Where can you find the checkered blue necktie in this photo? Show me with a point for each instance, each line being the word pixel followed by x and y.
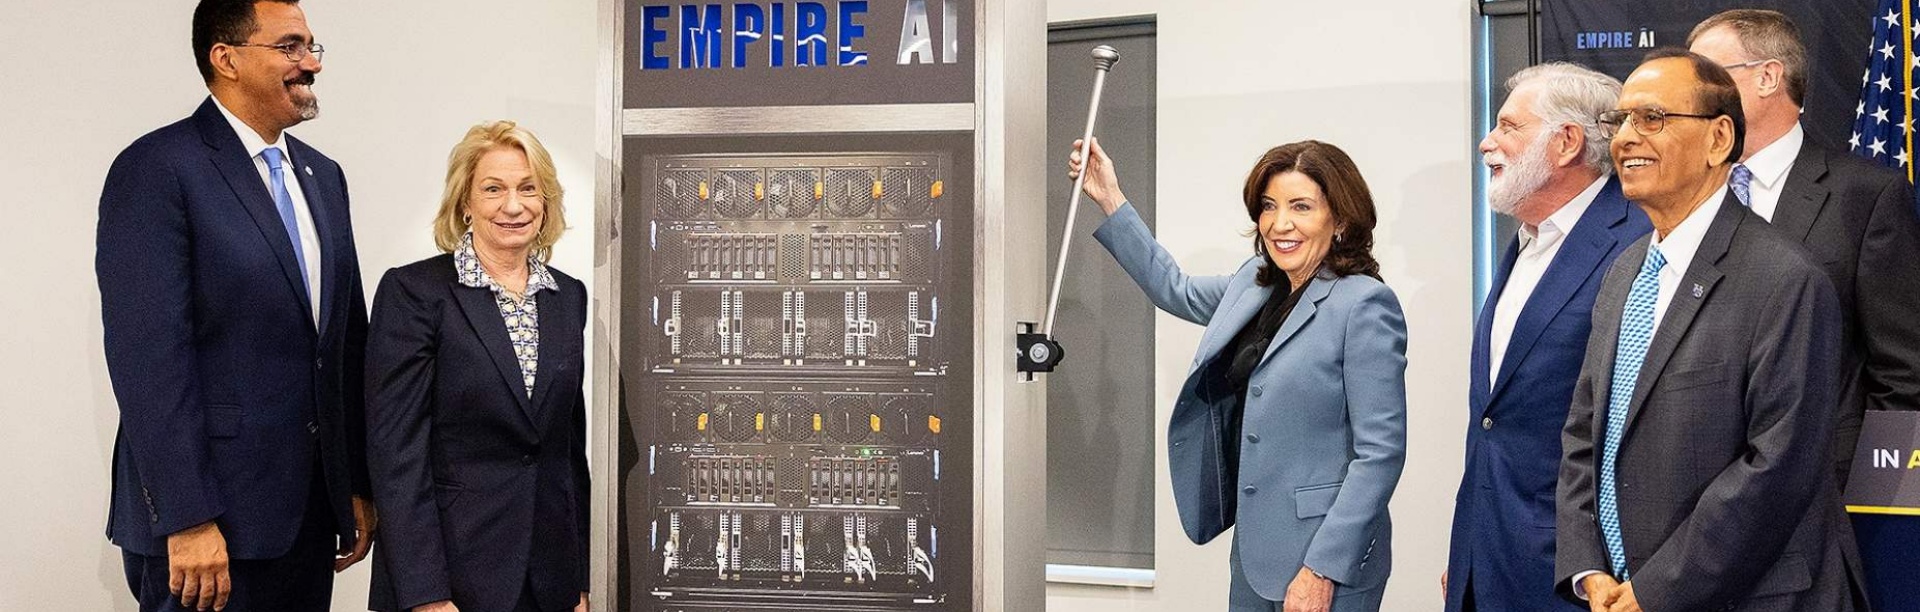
pixel 1742 184
pixel 1636 332
pixel 283 200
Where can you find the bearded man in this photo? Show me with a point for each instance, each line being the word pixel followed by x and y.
pixel 1550 171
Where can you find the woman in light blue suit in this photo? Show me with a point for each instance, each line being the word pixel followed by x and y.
pixel 1292 422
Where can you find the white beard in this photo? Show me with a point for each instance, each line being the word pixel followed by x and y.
pixel 1522 177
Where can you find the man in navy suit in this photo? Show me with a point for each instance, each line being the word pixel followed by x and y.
pixel 234 328
pixel 1552 173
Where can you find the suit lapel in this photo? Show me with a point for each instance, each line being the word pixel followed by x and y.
pixel 1587 246
pixel 236 167
pixel 1686 303
pixel 1478 390
pixel 1317 290
pixel 556 314
pixel 1803 196
pixel 319 208
pixel 483 314
pixel 1227 323
pixel 1609 304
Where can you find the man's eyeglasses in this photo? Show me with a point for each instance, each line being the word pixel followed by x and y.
pixel 293 50
pixel 1647 121
pixel 1746 64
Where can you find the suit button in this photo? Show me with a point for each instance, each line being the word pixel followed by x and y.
pixel 1253 439
pixel 1255 391
pixel 1177 443
pixel 1486 423
pixel 526 460
pixel 1250 490
pixel 312 427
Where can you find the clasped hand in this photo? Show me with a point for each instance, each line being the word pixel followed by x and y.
pixel 1604 594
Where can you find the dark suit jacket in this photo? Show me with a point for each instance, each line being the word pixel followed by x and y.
pixel 226 388
pixel 1724 490
pixel 1858 221
pixel 480 489
pixel 1503 515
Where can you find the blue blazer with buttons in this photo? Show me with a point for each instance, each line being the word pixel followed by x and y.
pixel 1324 420
pixel 230 393
pixel 1503 517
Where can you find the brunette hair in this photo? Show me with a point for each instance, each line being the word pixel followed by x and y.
pixel 1347 198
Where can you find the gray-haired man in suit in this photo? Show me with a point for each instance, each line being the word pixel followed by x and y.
pixel 1854 216
pixel 1695 473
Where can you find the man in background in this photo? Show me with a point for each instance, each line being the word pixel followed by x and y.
pixel 1855 217
pixel 234 329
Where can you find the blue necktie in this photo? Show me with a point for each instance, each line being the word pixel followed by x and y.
pixel 1742 184
pixel 284 201
pixel 1636 332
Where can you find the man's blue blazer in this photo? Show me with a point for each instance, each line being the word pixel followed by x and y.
pixel 230 394
pixel 1503 517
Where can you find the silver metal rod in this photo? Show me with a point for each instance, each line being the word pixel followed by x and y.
pixel 1103 60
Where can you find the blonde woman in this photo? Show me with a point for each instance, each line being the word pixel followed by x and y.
pixel 476 425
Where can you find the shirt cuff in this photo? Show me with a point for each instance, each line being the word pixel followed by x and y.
pixel 1580 589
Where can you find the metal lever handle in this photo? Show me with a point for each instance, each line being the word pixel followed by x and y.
pixel 1103 59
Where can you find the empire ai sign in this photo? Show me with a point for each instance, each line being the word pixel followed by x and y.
pixel 782 34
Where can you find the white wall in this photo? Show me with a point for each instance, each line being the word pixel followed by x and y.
pixel 403 81
pixel 1389 82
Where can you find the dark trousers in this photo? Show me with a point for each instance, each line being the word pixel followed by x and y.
pixel 300 581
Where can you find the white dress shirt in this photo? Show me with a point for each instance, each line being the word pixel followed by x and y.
pixel 1770 167
pixel 1678 247
pixel 309 236
pixel 1537 250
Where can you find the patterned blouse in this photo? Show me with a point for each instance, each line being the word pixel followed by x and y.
pixel 522 317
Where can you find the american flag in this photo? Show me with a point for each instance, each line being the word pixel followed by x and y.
pixel 1882 123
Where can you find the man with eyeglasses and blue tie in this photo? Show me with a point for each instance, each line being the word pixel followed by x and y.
pixel 1857 218
pixel 234 328
pixel 1695 472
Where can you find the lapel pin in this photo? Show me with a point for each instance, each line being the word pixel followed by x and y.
pixel 1697 290
pixel 309 170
